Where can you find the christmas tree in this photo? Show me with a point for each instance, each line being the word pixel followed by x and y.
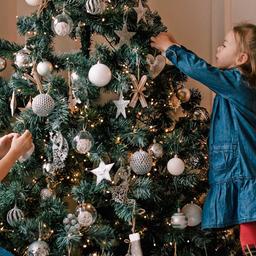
pixel 119 165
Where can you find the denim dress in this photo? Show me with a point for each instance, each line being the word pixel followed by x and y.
pixel 232 141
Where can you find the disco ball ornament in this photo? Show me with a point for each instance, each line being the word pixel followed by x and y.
pixel 99 75
pixel 3 64
pixel 83 142
pixel 27 155
pixel 141 162
pixel 193 213
pixel 43 104
pixel 179 220
pixel 23 58
pixel 33 2
pixel 39 248
pixel 14 215
pixel 156 150
pixel 44 68
pixel 95 6
pixel 86 214
pixel 62 24
pixel 175 166
pixel 184 94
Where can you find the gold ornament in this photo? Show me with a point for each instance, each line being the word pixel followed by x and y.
pixel 184 94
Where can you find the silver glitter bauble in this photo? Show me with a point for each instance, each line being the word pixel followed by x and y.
pixel 83 142
pixel 42 104
pixel 23 58
pixel 46 193
pixel 141 162
pixel 39 248
pixel 156 150
pixel 95 6
pixel 179 220
pixel 3 64
pixel 194 214
pixel 62 24
pixel 14 215
pixel 86 214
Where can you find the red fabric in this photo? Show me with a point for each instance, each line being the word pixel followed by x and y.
pixel 248 234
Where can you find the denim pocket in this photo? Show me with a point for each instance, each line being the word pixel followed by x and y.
pixel 223 157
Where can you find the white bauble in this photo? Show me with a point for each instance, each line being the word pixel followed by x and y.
pixel 193 213
pixel 44 68
pixel 42 104
pixel 99 74
pixel 39 248
pixel 179 220
pixel 28 154
pixel 33 2
pixel 175 166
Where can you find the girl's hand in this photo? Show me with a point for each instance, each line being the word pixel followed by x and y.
pixel 5 143
pixel 21 144
pixel 163 41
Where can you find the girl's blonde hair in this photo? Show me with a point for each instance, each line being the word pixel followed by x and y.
pixel 245 34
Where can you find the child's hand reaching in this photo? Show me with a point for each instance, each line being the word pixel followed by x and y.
pixel 163 41
pixel 21 143
pixel 5 143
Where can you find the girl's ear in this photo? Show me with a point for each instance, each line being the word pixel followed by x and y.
pixel 242 58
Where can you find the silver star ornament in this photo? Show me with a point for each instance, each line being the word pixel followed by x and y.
pixel 141 11
pixel 102 172
pixel 124 35
pixel 121 104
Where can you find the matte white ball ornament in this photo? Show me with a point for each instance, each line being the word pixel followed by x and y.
pixel 100 74
pixel 33 2
pixel 44 68
pixel 194 214
pixel 175 166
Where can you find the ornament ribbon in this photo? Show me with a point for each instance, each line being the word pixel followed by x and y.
pixel 42 6
pixel 139 88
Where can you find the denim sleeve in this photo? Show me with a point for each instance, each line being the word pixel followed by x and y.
pixel 223 82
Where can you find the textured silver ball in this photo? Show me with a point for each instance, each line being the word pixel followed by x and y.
pixel 39 248
pixel 141 162
pixel 42 104
pixel 14 215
